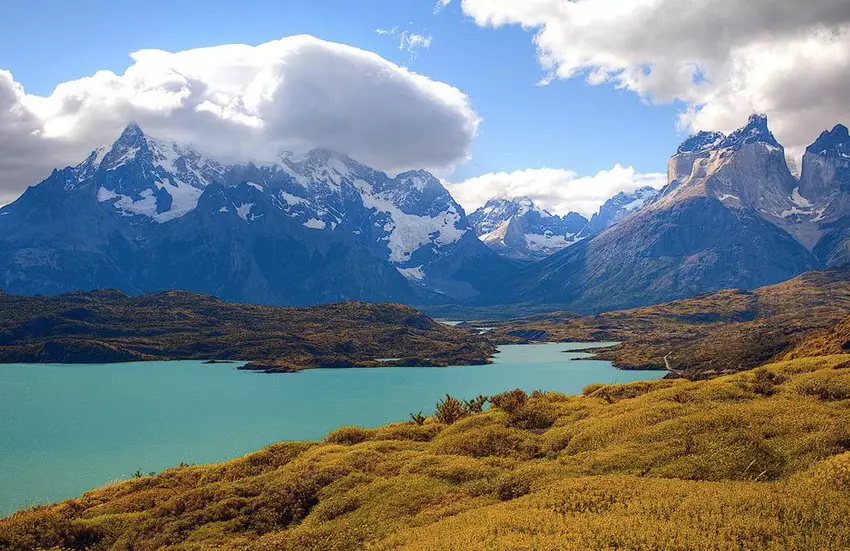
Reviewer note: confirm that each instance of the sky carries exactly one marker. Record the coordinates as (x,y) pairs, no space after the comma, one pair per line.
(567,102)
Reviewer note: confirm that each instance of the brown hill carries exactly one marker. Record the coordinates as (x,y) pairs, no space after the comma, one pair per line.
(109,326)
(712,334)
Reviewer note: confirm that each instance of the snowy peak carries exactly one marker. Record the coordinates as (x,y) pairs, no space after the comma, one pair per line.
(756,131)
(825,175)
(132,144)
(702,141)
(834,143)
(620,206)
(518,229)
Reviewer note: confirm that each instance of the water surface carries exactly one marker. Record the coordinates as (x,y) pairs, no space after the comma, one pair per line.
(65,429)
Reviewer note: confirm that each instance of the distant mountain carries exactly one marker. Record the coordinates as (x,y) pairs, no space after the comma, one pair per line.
(145,215)
(732,215)
(620,206)
(824,195)
(519,229)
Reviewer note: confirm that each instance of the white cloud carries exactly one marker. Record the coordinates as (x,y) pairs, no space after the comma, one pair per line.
(240,101)
(558,191)
(441,5)
(723,58)
(408,41)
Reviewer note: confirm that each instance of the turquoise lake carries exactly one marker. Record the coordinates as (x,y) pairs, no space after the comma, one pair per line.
(65,429)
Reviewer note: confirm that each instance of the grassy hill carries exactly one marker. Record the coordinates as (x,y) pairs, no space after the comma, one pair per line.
(109,326)
(713,334)
(757,460)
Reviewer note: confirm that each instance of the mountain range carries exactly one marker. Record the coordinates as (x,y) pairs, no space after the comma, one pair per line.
(145,215)
(732,215)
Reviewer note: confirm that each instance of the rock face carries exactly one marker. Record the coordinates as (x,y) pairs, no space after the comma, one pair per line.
(146,215)
(825,188)
(518,229)
(732,215)
(620,206)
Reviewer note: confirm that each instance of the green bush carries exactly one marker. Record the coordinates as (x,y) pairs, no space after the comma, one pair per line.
(450,410)
(348,436)
(511,401)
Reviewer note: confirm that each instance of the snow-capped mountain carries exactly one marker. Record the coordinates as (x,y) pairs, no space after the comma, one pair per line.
(130,206)
(731,216)
(518,229)
(620,206)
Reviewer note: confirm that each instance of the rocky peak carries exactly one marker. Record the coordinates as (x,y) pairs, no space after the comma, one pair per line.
(132,144)
(702,141)
(620,206)
(834,143)
(755,131)
(826,172)
(517,228)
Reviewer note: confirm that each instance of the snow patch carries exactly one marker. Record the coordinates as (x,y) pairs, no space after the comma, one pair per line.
(412,274)
(315,224)
(258,187)
(104,195)
(243,211)
(292,199)
(548,242)
(408,232)
(223,209)
(726,196)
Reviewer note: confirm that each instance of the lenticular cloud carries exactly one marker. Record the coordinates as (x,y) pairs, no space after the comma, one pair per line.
(245,102)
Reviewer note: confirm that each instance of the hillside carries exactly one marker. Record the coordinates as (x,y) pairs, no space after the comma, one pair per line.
(109,326)
(757,460)
(712,334)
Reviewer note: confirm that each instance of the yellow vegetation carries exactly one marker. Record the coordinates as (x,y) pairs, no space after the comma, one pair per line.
(758,460)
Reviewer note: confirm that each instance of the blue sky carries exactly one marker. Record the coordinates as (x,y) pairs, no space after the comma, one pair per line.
(567,124)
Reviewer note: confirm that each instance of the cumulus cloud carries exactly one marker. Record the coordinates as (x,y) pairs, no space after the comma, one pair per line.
(556,190)
(242,102)
(724,58)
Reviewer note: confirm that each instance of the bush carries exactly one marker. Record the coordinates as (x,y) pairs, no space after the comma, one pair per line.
(825,386)
(533,417)
(347,436)
(834,473)
(488,441)
(766,381)
(512,487)
(476,405)
(417,419)
(450,410)
(590,389)
(511,401)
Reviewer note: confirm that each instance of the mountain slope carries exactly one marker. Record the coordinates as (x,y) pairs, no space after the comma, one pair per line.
(146,215)
(518,229)
(717,224)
